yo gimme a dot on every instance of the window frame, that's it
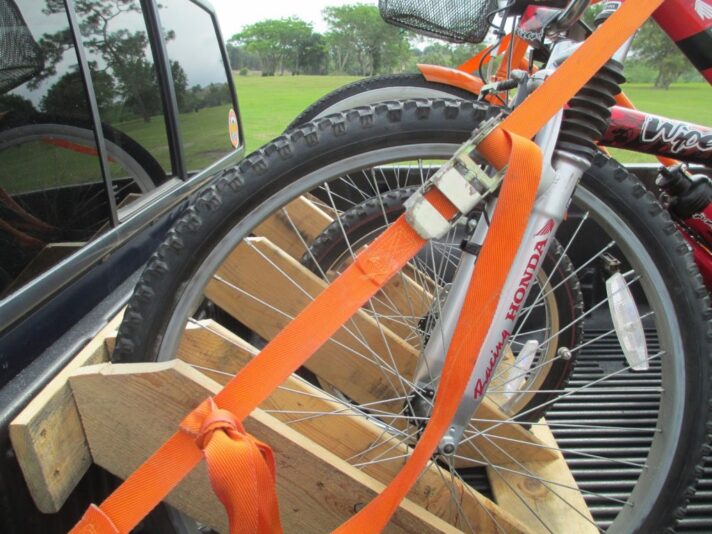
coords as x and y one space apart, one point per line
140 215
206 6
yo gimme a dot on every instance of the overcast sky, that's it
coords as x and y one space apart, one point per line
234 14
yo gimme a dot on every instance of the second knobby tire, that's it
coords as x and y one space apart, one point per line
369 91
238 247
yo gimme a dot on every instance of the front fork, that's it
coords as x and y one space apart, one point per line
547 213
559 180
562 171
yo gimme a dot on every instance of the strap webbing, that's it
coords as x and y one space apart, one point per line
147 486
241 469
527 119
504 236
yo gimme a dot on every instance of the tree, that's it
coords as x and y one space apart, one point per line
655 49
299 34
463 52
122 51
135 75
67 95
278 42
180 83
16 104
438 53
358 33
241 58
314 56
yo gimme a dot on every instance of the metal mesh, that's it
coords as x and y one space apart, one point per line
457 21
20 55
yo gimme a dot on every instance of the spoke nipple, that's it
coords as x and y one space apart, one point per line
564 353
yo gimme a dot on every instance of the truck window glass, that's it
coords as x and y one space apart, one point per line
52 195
205 104
128 95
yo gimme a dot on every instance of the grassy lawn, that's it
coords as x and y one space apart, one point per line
689 102
269 104
204 133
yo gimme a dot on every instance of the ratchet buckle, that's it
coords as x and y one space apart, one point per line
463 182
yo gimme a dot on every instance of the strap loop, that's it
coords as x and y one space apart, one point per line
241 469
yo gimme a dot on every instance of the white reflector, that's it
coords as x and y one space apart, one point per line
627 323
518 372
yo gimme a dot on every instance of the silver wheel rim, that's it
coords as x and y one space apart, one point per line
651 481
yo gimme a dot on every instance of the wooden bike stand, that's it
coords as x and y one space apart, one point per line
117 415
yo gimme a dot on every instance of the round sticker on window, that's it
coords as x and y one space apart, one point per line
233 128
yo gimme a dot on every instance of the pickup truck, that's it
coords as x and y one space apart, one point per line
112 114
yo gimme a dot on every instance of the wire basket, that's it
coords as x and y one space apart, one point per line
457 21
20 55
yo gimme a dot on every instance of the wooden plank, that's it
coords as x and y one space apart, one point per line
258 273
401 305
501 443
129 410
501 377
210 346
299 222
274 287
547 489
47 435
323 206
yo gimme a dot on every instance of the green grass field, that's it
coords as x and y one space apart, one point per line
269 104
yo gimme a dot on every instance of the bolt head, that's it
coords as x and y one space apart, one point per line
448 448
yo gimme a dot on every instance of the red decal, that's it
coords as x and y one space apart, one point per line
707 73
547 228
681 18
526 280
495 354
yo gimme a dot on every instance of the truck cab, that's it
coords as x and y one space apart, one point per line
112 115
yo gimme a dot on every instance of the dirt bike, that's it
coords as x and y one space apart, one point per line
602 278
687 196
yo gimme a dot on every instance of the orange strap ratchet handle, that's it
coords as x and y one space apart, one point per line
153 480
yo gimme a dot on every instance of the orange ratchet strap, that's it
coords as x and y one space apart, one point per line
504 236
509 142
483 57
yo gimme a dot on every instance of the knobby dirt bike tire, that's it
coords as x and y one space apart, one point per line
378 89
171 288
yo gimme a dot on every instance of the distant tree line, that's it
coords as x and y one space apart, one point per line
359 42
